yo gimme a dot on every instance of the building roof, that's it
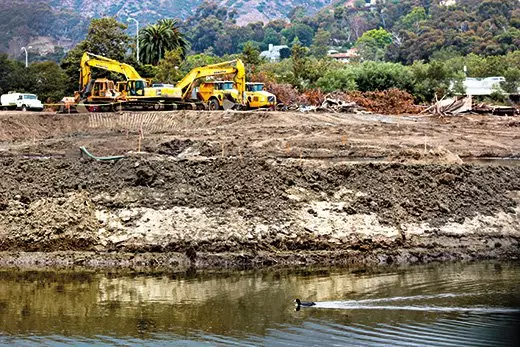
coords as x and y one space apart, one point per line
351 53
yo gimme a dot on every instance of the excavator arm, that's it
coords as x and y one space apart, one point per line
90 60
235 67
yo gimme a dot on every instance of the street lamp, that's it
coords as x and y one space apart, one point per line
136 35
26 56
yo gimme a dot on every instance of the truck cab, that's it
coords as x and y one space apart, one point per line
257 96
20 101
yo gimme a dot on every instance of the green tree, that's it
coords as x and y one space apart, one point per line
433 79
372 44
298 58
411 20
271 37
251 57
320 44
337 80
376 76
106 37
156 39
168 68
47 80
303 32
12 75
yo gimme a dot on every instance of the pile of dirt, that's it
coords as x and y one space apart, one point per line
66 222
173 147
437 155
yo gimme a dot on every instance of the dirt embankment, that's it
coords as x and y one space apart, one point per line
260 208
254 188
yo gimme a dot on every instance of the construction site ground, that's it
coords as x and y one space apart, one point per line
229 188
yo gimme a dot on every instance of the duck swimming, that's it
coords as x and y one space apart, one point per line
304 303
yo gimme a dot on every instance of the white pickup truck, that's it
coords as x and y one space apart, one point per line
20 101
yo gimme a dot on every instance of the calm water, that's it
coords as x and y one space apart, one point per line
436 305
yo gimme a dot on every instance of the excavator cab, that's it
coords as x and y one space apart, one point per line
102 90
136 87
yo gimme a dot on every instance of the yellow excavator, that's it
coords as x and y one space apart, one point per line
226 94
216 94
134 92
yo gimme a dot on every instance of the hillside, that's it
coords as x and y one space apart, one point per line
44 24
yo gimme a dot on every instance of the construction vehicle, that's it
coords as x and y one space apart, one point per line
216 94
257 97
226 94
131 93
103 95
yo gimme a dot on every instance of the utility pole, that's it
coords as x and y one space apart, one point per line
136 35
26 55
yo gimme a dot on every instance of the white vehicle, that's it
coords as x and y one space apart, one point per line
20 101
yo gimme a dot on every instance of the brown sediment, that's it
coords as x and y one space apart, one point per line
246 189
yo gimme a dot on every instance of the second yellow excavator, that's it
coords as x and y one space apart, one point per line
226 94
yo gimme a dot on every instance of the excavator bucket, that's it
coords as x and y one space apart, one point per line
228 104
81 107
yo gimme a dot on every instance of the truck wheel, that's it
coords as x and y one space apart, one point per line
213 105
24 108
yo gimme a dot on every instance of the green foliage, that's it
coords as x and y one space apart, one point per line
303 32
106 37
434 79
168 68
372 76
157 39
320 44
337 80
12 75
47 80
413 19
298 57
251 57
372 44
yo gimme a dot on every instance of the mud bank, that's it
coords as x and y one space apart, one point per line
158 211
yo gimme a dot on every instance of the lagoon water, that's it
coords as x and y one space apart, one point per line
472 304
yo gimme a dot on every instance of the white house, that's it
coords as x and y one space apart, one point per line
273 53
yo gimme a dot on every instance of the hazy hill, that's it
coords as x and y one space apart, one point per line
44 24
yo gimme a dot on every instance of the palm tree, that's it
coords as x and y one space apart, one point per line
156 39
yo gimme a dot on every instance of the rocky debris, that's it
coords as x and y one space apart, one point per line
437 155
332 105
464 104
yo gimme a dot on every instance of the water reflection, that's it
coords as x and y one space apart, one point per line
470 304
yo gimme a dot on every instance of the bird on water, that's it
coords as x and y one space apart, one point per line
304 303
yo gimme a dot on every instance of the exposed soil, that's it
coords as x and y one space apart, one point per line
256 188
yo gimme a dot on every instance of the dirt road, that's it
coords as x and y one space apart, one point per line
217 188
